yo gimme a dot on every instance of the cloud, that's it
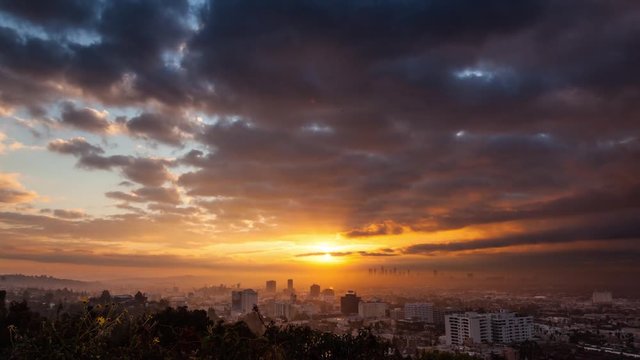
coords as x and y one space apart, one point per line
597 230
172 130
76 146
69 214
12 191
381 253
6 146
384 228
87 119
146 171
54 13
148 194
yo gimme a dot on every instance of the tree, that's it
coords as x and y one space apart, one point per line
3 305
48 297
105 297
140 298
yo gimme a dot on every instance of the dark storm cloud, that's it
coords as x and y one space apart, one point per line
134 36
31 57
588 202
598 230
123 39
69 13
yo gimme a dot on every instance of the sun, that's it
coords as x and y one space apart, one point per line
326 258
324 253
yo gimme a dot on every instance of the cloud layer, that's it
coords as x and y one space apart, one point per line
368 119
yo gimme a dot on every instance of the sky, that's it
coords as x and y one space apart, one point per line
320 138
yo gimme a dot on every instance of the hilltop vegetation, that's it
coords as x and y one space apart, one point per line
108 332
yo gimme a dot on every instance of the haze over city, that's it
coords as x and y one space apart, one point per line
455 142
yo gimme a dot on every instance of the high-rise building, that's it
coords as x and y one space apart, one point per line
290 285
419 311
468 327
372 309
328 295
349 303
271 286
502 327
314 291
283 309
243 301
507 328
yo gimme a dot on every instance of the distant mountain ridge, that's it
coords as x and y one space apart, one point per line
42 281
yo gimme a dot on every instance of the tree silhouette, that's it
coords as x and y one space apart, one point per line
140 298
105 297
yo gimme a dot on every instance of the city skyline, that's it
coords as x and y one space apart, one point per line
246 141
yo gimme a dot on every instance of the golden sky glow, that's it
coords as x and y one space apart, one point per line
318 140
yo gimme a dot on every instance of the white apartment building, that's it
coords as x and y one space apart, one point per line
373 309
502 327
508 328
419 311
469 327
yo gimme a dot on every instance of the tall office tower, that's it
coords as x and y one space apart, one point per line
290 285
243 301
271 286
349 303
468 327
419 311
314 291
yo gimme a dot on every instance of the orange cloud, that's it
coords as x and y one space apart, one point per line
12 191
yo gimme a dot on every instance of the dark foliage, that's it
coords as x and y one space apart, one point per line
108 331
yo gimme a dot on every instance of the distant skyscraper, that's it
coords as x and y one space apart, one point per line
243 301
349 303
314 291
290 285
271 286
328 295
